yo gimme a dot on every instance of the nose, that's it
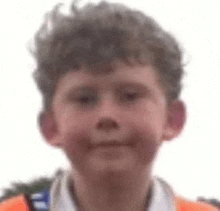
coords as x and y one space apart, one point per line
107 124
108 116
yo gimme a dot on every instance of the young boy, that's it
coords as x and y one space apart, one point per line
110 79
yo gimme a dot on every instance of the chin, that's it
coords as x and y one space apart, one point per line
112 170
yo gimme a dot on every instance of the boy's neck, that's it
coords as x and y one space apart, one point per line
131 196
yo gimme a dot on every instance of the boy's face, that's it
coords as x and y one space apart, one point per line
111 122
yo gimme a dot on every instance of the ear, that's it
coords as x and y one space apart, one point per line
176 118
48 128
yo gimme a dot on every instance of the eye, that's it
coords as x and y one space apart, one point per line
129 95
86 99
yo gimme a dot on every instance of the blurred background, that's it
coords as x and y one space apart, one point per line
190 163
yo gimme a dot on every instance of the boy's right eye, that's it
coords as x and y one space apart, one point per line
86 99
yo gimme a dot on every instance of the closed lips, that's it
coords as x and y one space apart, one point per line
110 144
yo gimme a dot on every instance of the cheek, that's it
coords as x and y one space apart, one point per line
151 119
75 144
73 130
147 144
72 122
147 129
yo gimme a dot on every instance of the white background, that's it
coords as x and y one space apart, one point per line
191 163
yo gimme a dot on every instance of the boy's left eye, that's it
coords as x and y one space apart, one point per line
129 96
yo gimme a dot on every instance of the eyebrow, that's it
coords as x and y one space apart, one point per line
141 86
74 90
137 85
80 88
134 84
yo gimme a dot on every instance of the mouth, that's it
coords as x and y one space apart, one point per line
111 144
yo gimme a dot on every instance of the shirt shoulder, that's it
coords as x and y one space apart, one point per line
37 201
182 204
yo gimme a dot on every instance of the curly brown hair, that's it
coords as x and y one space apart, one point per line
96 34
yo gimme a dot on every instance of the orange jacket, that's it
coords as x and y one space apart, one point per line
18 203
21 203
186 205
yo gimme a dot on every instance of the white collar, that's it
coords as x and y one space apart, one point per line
162 197
61 200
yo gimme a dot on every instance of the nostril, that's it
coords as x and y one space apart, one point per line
107 123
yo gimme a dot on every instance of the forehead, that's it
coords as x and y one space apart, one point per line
122 74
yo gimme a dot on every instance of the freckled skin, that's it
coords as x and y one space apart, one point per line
126 105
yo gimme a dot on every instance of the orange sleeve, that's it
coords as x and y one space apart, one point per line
17 203
186 205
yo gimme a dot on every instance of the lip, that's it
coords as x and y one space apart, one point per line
110 144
